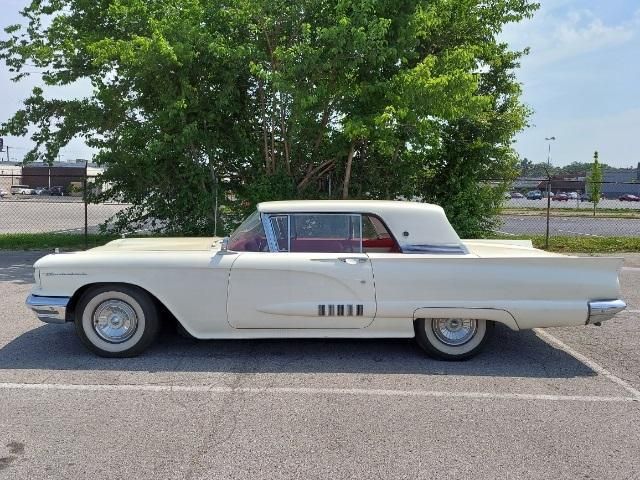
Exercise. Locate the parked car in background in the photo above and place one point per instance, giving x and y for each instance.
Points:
(3, 193)
(306, 269)
(21, 190)
(629, 198)
(572, 195)
(560, 197)
(516, 195)
(44, 191)
(534, 195)
(57, 191)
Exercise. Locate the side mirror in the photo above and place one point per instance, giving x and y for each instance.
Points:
(224, 244)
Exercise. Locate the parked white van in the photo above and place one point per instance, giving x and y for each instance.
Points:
(21, 190)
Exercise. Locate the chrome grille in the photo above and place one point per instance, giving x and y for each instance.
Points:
(340, 310)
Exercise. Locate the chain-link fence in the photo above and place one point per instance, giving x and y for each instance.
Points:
(46, 201)
(560, 207)
(52, 203)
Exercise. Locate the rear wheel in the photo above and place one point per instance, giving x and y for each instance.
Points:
(452, 338)
(117, 320)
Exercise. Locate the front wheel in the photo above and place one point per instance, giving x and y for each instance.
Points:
(117, 320)
(452, 338)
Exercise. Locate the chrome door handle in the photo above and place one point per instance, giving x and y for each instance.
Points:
(352, 260)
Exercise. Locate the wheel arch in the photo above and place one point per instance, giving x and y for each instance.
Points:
(493, 314)
(75, 298)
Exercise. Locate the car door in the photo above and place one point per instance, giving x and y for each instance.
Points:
(328, 285)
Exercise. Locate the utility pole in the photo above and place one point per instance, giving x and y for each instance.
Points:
(8, 158)
(546, 237)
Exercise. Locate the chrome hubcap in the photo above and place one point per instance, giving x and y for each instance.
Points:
(115, 321)
(454, 331)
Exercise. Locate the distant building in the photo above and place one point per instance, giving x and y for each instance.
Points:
(69, 175)
(10, 174)
(564, 184)
(619, 182)
(525, 184)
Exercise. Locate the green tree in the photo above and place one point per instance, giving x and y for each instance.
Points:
(595, 182)
(198, 103)
(525, 166)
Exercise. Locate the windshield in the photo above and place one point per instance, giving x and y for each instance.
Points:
(249, 236)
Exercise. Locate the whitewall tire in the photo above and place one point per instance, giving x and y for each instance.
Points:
(452, 338)
(116, 320)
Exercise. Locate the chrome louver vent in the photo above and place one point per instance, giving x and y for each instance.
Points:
(332, 310)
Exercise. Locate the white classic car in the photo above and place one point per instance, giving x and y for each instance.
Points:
(303, 269)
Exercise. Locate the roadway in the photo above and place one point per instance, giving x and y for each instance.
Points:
(556, 403)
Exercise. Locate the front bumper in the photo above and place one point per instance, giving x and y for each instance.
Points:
(48, 309)
(601, 310)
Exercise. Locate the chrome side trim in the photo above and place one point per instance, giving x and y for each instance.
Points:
(48, 309)
(268, 231)
(601, 310)
(443, 249)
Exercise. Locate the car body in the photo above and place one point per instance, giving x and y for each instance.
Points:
(560, 197)
(41, 191)
(534, 195)
(21, 190)
(629, 198)
(57, 191)
(320, 269)
(3, 193)
(516, 195)
(572, 195)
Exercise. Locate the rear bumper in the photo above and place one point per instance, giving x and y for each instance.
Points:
(601, 310)
(48, 309)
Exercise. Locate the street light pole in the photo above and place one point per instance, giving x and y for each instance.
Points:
(546, 237)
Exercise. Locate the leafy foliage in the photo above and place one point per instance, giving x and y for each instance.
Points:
(198, 103)
(595, 182)
(574, 169)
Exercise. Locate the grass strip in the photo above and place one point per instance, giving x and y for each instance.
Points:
(45, 241)
(583, 244)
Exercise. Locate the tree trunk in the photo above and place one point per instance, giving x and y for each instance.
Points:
(347, 171)
(263, 108)
(320, 169)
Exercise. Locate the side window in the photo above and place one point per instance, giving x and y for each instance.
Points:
(376, 238)
(329, 233)
(280, 226)
(318, 232)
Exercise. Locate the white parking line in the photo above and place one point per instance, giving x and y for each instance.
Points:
(310, 391)
(589, 363)
(505, 233)
(580, 233)
(631, 269)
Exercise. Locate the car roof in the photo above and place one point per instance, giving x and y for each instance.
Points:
(411, 223)
(346, 206)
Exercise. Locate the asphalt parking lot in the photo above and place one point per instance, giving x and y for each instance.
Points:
(34, 214)
(53, 214)
(558, 403)
(570, 226)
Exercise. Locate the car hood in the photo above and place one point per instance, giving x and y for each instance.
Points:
(162, 244)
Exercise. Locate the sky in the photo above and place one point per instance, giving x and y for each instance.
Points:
(581, 79)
